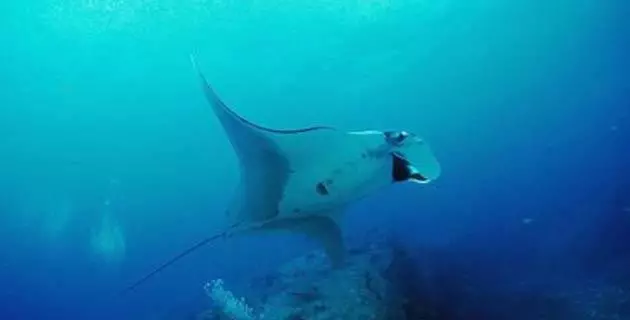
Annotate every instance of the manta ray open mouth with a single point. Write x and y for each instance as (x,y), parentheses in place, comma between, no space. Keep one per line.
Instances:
(402,170)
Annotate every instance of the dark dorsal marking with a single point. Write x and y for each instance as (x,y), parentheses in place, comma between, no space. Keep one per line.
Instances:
(321,189)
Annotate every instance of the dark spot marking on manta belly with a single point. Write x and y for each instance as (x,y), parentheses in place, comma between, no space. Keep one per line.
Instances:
(321,189)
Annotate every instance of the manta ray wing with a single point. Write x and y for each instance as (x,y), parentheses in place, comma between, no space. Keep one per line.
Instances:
(296,180)
(281,169)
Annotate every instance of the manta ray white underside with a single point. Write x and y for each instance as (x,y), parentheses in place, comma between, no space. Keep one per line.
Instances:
(301,180)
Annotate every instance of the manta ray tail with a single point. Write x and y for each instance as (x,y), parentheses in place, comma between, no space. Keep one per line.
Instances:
(172,261)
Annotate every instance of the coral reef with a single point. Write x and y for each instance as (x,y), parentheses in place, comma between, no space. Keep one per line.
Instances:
(381,281)
(366,287)
(229,306)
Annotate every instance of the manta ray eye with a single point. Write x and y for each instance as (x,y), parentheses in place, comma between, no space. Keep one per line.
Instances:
(395,138)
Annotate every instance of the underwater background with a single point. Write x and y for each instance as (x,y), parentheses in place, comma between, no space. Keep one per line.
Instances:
(111,160)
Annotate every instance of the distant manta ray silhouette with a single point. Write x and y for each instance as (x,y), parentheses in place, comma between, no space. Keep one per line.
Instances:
(302,179)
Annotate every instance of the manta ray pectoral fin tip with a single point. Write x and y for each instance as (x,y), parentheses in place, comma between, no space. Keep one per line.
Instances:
(193,61)
(322,229)
(212,97)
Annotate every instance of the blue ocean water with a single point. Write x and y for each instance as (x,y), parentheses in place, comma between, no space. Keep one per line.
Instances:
(111,160)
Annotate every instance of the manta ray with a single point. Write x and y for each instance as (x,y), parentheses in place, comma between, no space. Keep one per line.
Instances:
(301,180)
